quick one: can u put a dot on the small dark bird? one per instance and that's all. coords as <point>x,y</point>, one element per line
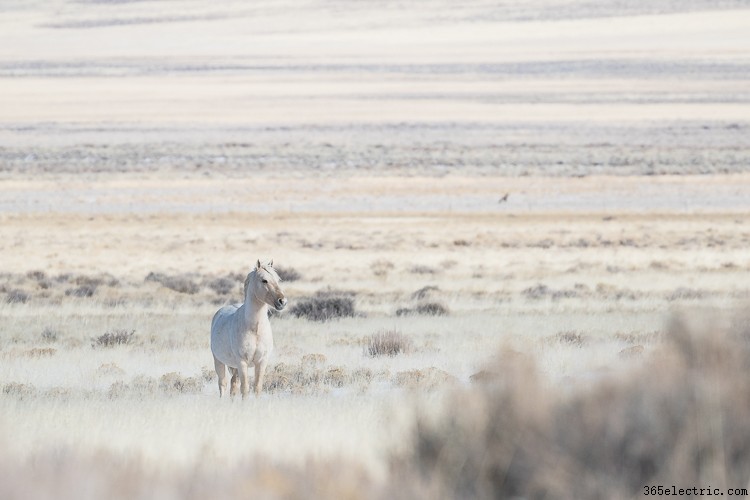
<point>504,198</point>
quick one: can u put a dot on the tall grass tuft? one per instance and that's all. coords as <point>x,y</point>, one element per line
<point>113,338</point>
<point>388,343</point>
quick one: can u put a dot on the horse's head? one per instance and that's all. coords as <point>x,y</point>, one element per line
<point>263,283</point>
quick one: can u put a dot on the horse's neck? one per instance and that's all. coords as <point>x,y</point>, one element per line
<point>253,311</point>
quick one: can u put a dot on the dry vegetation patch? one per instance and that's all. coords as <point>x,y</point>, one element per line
<point>40,352</point>
<point>50,335</point>
<point>324,306</point>
<point>173,382</point>
<point>182,283</point>
<point>113,338</point>
<point>570,338</point>
<point>388,343</point>
<point>288,274</point>
<point>426,379</point>
<point>424,309</point>
<point>313,376</point>
<point>514,436</point>
<point>17,297</point>
<point>109,370</point>
<point>381,268</point>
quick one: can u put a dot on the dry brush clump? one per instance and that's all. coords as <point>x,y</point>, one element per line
<point>40,352</point>
<point>50,335</point>
<point>288,274</point>
<point>325,305</point>
<point>426,379</point>
<point>169,384</point>
<point>388,343</point>
<point>182,283</point>
<point>571,338</point>
<point>382,267</point>
<point>682,418</point>
<point>113,338</point>
<point>174,383</point>
<point>313,376</point>
<point>424,309</point>
<point>223,286</point>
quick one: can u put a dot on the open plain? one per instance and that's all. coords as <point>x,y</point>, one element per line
<point>530,220</point>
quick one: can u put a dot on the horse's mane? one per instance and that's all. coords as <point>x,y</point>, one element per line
<point>251,276</point>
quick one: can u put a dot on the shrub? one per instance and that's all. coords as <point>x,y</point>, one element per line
<point>223,286</point>
<point>311,376</point>
<point>109,369</point>
<point>17,297</point>
<point>208,374</point>
<point>388,343</point>
<point>572,338</point>
<point>517,437</point>
<point>313,360</point>
<point>420,269</point>
<point>324,308</point>
<point>425,309</point>
<point>288,273</point>
<point>427,379</point>
<point>81,291</point>
<point>40,352</point>
<point>424,292</point>
<point>381,268</point>
<point>173,382</point>
<point>19,390</point>
<point>113,338</point>
<point>432,309</point>
<point>36,275</point>
<point>536,292</point>
<point>178,283</point>
<point>686,294</point>
<point>49,335</point>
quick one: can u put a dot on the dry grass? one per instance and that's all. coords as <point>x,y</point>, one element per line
<point>313,376</point>
<point>288,274</point>
<point>513,435</point>
<point>184,283</point>
<point>521,193</point>
<point>517,438</point>
<point>113,338</point>
<point>388,343</point>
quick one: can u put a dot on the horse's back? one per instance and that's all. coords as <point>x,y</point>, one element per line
<point>223,314</point>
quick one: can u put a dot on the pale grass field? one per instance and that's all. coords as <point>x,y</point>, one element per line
<point>150,152</point>
<point>612,282</point>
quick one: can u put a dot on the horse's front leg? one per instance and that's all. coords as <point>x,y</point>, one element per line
<point>234,384</point>
<point>260,373</point>
<point>221,372</point>
<point>244,381</point>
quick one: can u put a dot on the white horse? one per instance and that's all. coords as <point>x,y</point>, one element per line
<point>241,333</point>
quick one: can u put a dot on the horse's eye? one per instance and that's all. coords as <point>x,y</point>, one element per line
<point>265,281</point>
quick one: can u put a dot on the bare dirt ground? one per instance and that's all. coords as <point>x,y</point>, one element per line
<point>150,152</point>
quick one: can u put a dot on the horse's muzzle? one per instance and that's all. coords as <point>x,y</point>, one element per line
<point>280,303</point>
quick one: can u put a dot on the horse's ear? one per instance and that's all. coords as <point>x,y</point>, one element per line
<point>270,263</point>
<point>257,266</point>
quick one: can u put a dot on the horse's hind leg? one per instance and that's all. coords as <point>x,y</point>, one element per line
<point>221,371</point>
<point>235,383</point>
